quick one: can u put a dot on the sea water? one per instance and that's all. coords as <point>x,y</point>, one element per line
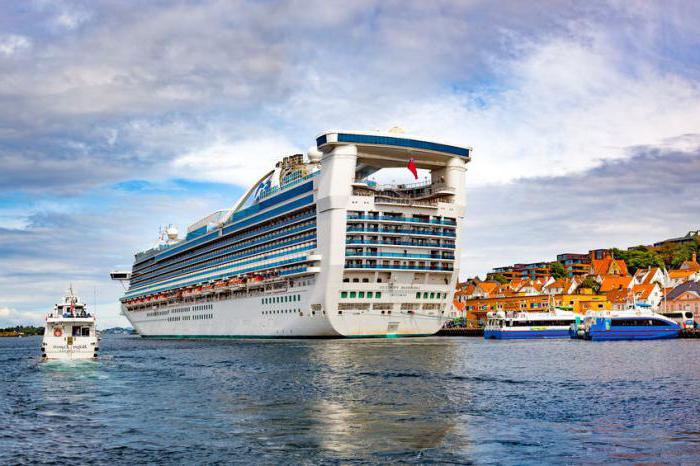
<point>422,400</point>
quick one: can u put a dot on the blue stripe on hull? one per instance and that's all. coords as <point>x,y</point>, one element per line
<point>525,335</point>
<point>632,334</point>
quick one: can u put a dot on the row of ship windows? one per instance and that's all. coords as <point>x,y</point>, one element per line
<point>204,271</point>
<point>360,294</point>
<point>231,258</point>
<point>203,307</point>
<point>194,317</point>
<point>235,241</point>
<point>281,299</point>
<point>281,311</point>
<point>168,266</point>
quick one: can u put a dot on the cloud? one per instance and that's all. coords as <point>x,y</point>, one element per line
<point>12,317</point>
<point>647,196</point>
<point>11,44</point>
<point>239,162</point>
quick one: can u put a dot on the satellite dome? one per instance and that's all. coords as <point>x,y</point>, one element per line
<point>171,231</point>
<point>314,154</point>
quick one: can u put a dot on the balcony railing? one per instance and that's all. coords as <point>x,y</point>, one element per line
<point>400,243</point>
<point>399,255</point>
<point>400,232</point>
<point>402,219</point>
<point>399,267</point>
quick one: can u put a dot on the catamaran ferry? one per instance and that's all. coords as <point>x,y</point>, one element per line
<point>528,325</point>
<point>317,247</point>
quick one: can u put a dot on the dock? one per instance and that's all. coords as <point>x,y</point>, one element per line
<point>460,332</point>
<point>690,333</point>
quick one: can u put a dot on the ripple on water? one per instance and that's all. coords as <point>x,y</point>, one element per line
<point>442,400</point>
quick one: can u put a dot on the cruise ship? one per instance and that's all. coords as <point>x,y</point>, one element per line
<point>318,247</point>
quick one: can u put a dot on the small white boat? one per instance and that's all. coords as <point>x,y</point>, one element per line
<point>70,331</point>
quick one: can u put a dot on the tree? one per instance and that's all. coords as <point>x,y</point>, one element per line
<point>589,282</point>
<point>498,278</point>
<point>557,270</point>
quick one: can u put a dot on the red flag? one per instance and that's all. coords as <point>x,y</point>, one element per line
<point>412,167</point>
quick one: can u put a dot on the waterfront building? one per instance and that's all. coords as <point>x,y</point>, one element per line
<point>579,303</point>
<point>615,282</point>
<point>316,247</point>
<point>678,277</point>
<point>608,266</point>
<point>690,238</point>
<point>576,265</point>
<point>652,275</point>
<point>684,297</point>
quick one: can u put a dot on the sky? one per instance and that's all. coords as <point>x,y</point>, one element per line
<point>118,117</point>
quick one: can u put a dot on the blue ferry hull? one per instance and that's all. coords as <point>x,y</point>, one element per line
<point>525,334</point>
<point>632,333</point>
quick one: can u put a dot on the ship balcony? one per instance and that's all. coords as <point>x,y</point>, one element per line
<point>398,219</point>
<point>446,268</point>
<point>398,231</point>
<point>425,191</point>
<point>413,244</point>
<point>429,257</point>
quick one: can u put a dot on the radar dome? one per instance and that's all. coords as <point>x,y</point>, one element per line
<point>314,155</point>
<point>171,231</point>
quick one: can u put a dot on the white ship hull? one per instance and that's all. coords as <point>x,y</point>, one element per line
<point>248,318</point>
<point>69,348</point>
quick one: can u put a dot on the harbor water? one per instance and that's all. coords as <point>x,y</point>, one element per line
<point>423,400</point>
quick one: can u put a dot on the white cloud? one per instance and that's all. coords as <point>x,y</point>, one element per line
<point>10,317</point>
<point>236,162</point>
<point>11,44</point>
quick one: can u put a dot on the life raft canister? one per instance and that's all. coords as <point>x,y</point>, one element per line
<point>57,332</point>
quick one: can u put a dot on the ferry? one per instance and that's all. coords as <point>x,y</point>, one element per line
<point>70,331</point>
<point>634,323</point>
<point>319,246</point>
<point>528,325</point>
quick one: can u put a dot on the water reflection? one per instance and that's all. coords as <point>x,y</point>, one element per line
<point>384,395</point>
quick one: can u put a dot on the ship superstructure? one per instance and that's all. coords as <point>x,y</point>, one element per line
<point>70,331</point>
<point>315,248</point>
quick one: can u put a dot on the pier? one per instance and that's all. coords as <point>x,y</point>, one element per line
<point>690,333</point>
<point>460,332</point>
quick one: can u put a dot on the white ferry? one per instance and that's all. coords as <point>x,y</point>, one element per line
<point>529,325</point>
<point>70,331</point>
<point>317,247</point>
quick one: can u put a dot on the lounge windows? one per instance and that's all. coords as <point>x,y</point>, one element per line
<point>353,294</point>
<point>378,294</point>
<point>343,294</point>
<point>361,294</point>
<point>369,294</point>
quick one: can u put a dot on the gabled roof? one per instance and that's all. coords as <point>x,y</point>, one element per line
<point>608,265</point>
<point>488,287</point>
<point>691,264</point>
<point>618,296</point>
<point>682,288</point>
<point>644,291</point>
<point>614,282</point>
<point>680,273</point>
